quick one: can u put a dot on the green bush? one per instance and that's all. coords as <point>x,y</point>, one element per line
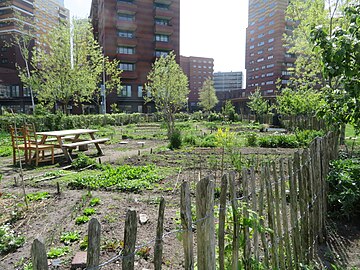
<point>175,140</point>
<point>273,141</point>
<point>344,187</point>
<point>83,161</point>
<point>251,139</point>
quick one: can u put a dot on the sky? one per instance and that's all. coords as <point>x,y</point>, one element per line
<point>207,29</point>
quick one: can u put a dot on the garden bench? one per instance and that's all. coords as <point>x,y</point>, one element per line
<point>85,142</point>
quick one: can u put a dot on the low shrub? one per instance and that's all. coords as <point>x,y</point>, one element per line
<point>175,140</point>
<point>83,161</point>
<point>344,187</point>
<point>251,139</point>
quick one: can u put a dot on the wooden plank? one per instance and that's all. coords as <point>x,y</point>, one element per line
<point>292,168</point>
<point>236,230</point>
<point>284,214</point>
<point>247,244</point>
<point>222,215</point>
<point>277,202</point>
<point>38,255</point>
<point>186,222</point>
<point>255,210</point>
<point>129,240</point>
<point>205,225</point>
<point>305,202</point>
<point>261,214</point>
<point>271,219</point>
<point>75,144</point>
<point>158,249</point>
<point>93,251</point>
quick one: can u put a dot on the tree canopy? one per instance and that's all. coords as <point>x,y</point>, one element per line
<point>258,104</point>
<point>340,59</point>
<point>207,95</point>
<point>68,66</point>
<point>168,88</point>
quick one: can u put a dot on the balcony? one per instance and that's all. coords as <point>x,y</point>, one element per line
<point>126,6</point>
<point>163,29</point>
<point>163,13</point>
<point>126,25</point>
<point>159,45</point>
<point>165,2</point>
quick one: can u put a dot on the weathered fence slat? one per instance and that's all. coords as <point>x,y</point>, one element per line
<point>93,251</point>
<point>247,244</point>
<point>305,203</point>
<point>261,213</point>
<point>236,231</point>
<point>186,222</point>
<point>158,249</point>
<point>205,225</point>
<point>129,240</point>
<point>284,214</point>
<point>38,255</point>
<point>255,209</point>
<point>222,215</point>
<point>278,218</point>
<point>271,219</point>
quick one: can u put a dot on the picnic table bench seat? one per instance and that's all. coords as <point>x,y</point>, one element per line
<point>86,142</point>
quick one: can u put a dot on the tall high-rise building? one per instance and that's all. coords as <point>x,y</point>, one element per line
<point>267,59</point>
<point>39,15</point>
<point>228,81</point>
<point>197,69</point>
<point>135,32</point>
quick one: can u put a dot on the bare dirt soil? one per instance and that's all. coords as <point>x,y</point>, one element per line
<point>48,219</point>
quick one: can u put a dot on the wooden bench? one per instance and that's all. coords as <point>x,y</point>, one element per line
<point>66,138</point>
<point>79,143</point>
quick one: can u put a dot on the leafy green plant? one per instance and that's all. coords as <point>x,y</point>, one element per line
<point>69,237</point>
<point>251,139</point>
<point>83,161</point>
<point>125,178</point>
<point>84,243</point>
<point>344,187</point>
<point>57,252</point>
<point>112,245</point>
<point>38,196</point>
<point>175,139</point>
<point>9,241</point>
<point>94,201</point>
<point>144,252</point>
<point>81,220</point>
<point>89,211</point>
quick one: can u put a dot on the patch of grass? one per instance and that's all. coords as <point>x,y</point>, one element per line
<point>57,252</point>
<point>69,237</point>
<point>38,196</point>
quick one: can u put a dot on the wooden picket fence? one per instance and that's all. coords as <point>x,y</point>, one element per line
<point>287,197</point>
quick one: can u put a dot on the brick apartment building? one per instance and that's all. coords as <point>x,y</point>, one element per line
<point>135,32</point>
<point>42,15</point>
<point>266,57</point>
<point>197,69</point>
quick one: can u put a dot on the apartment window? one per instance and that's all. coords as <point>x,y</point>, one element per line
<point>271,40</point>
<point>252,39</point>
<point>271,22</point>
<point>159,21</point>
<point>270,48</point>
<point>140,90</point>
<point>289,64</point>
<point>161,6</point>
<point>262,83</point>
<point>260,60</point>
<point>251,47</point>
<point>270,66</point>
<point>261,27</point>
<point>271,14</point>
<point>126,34</point>
<point>4,61</point>
<point>126,91</point>
<point>261,19</point>
<point>126,50</point>
<point>159,53</point>
<point>26,92</point>
<point>262,75</point>
<point>286,73</point>
<point>3,49</point>
<point>272,31</point>
<point>126,17</point>
<point>252,54</point>
<point>260,52</point>
<point>162,38</point>
<point>289,55</point>
<point>285,81</point>
<point>127,66</point>
<point>269,82</point>
<point>261,43</point>
<point>270,57</point>
<point>261,35</point>
<point>269,74</point>
<point>252,31</point>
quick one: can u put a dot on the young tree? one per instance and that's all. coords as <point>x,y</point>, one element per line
<point>228,110</point>
<point>69,66</point>
<point>207,95</point>
<point>258,104</point>
<point>168,88</point>
<point>340,58</point>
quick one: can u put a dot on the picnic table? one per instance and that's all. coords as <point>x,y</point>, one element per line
<point>74,136</point>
